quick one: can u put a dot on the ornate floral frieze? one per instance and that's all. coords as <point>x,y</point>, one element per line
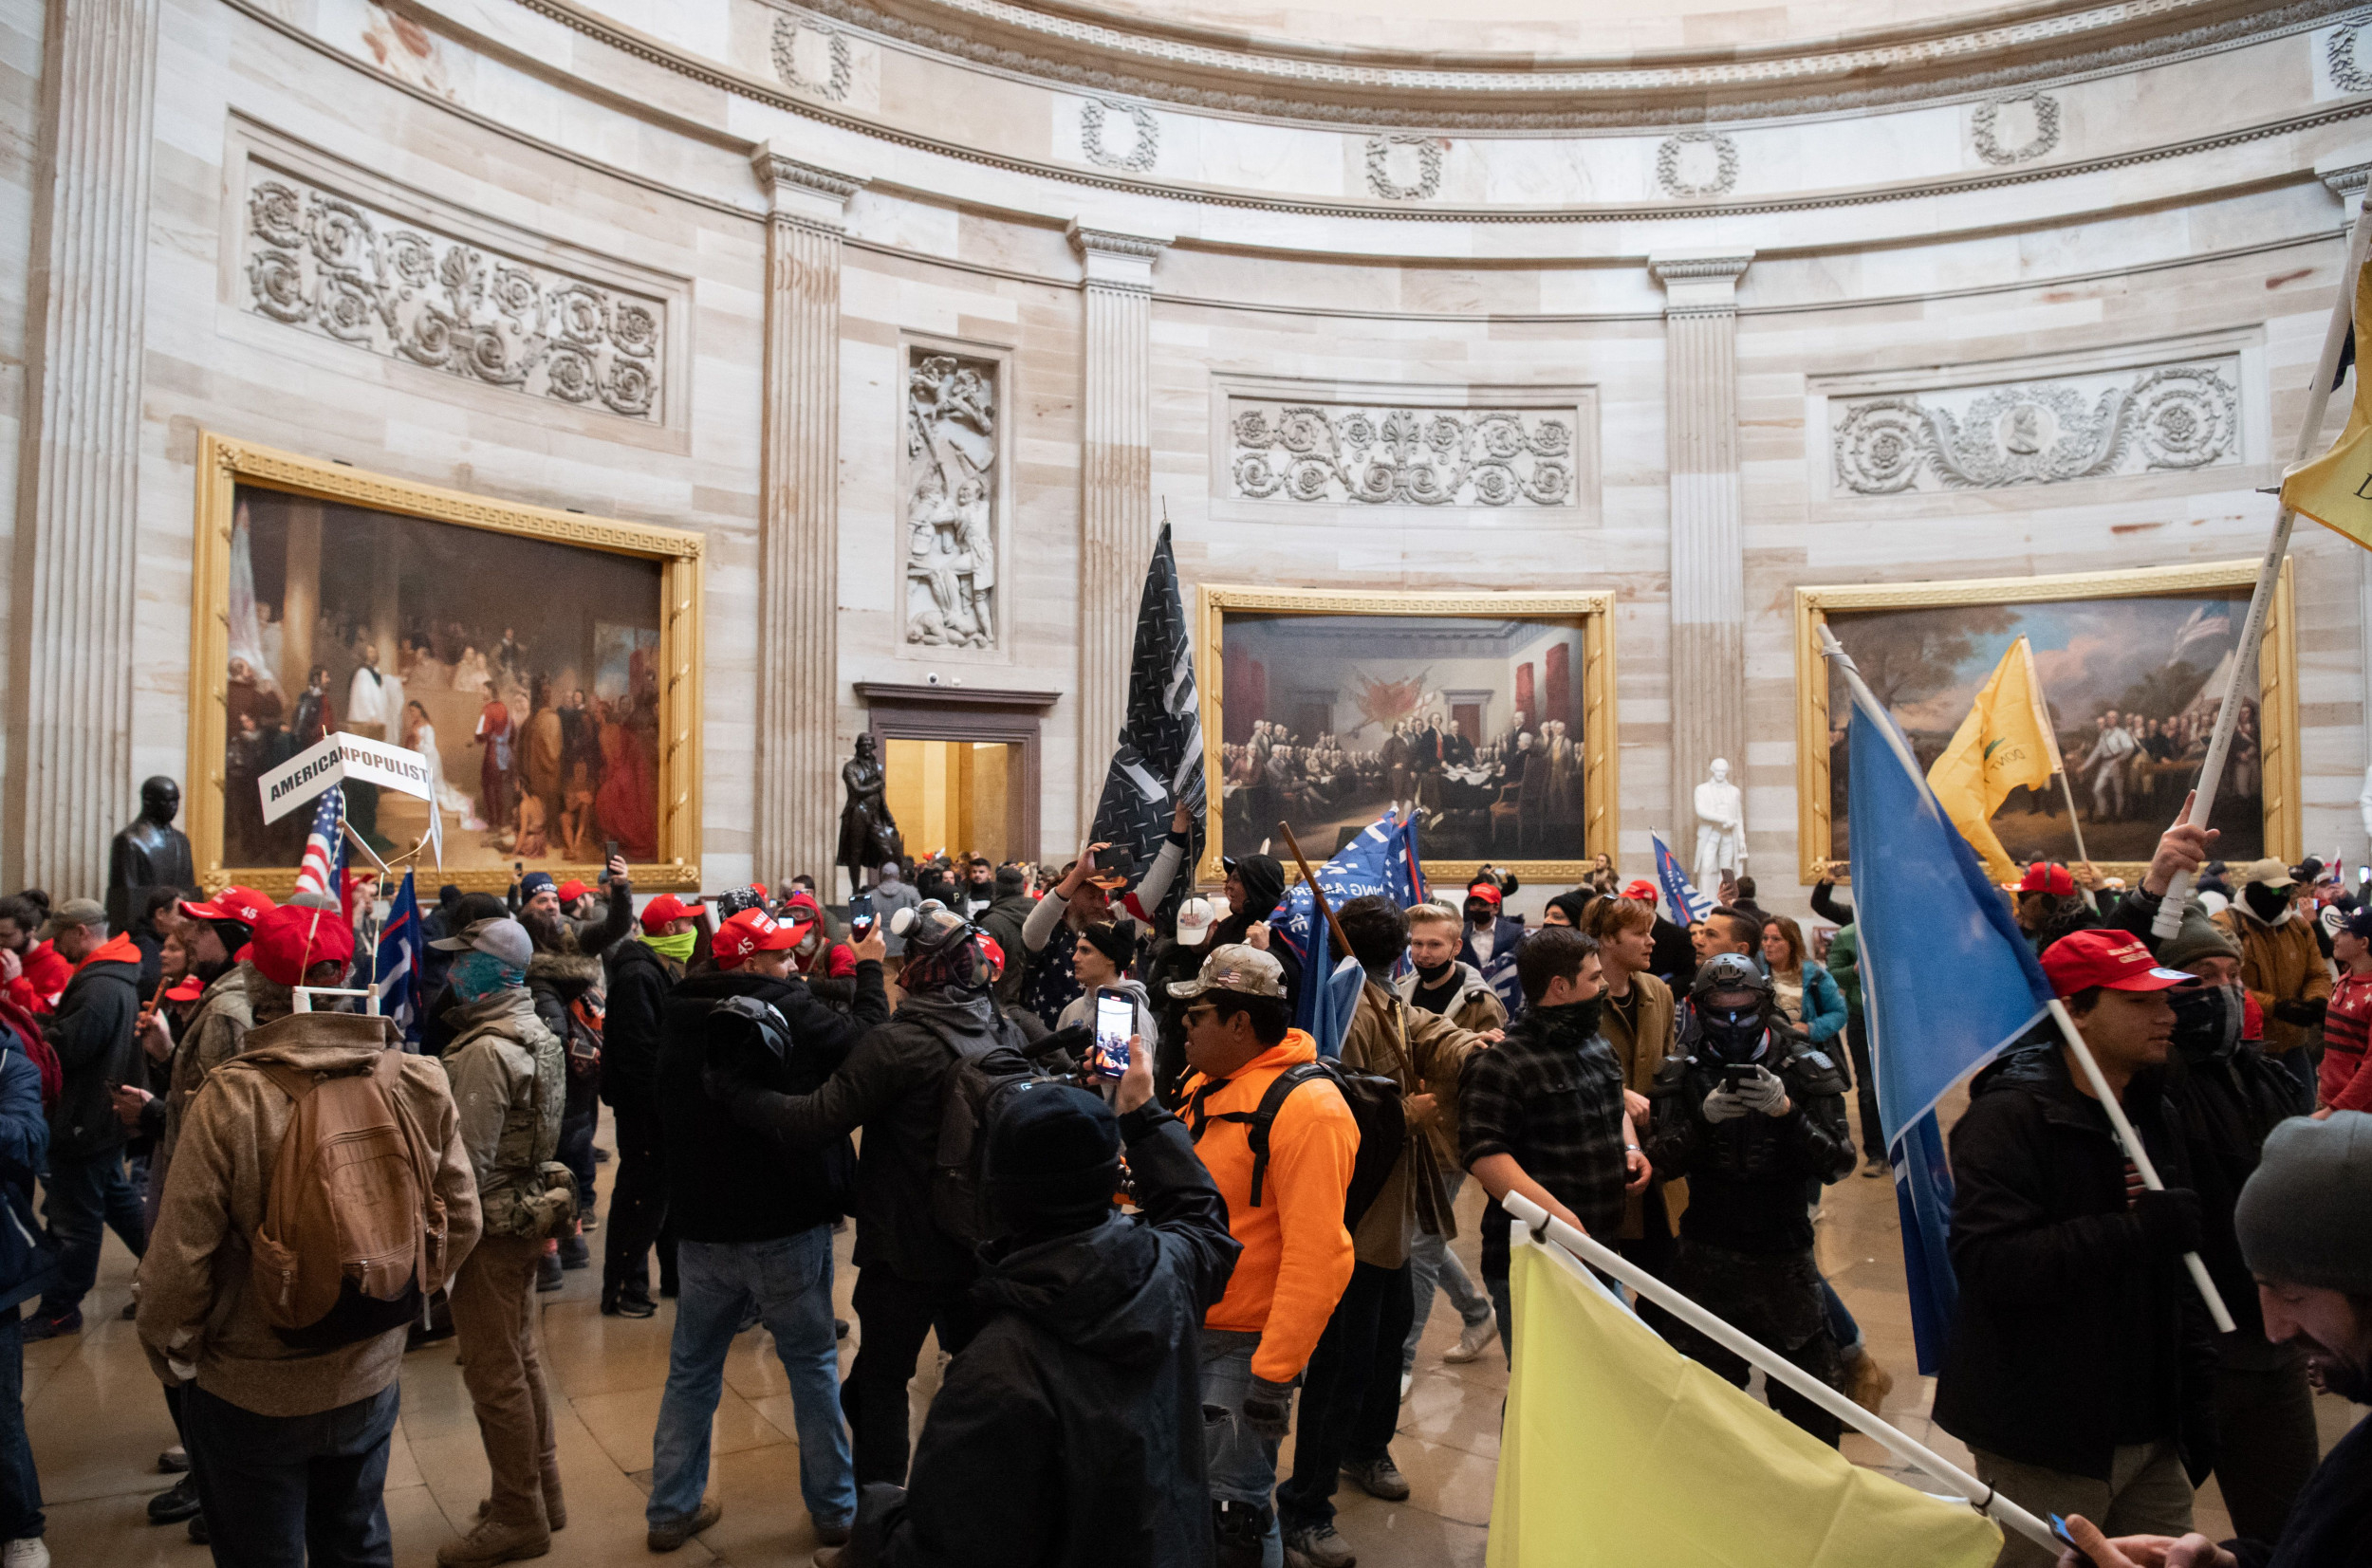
<point>1673,155</point>
<point>1147,130</point>
<point>2171,418</point>
<point>950,500</point>
<point>840,67</point>
<point>2339,55</point>
<point>1985,128</point>
<point>1428,181</point>
<point>1335,453</point>
<point>325,263</point>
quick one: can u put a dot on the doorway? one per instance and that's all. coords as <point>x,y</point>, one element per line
<point>959,796</point>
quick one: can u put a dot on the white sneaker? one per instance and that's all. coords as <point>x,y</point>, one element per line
<point>1408,1381</point>
<point>30,1552</point>
<point>1474,1341</point>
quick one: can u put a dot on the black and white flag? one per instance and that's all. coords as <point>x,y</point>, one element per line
<point>1159,759</point>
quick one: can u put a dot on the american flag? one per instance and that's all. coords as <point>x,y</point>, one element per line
<point>322,872</point>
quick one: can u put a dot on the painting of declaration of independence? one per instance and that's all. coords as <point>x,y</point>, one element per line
<point>525,671</point>
<point>1475,723</point>
<point>2132,685</point>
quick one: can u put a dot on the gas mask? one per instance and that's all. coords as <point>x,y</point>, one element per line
<point>2207,1019</point>
<point>2265,903</point>
<point>1730,1027</point>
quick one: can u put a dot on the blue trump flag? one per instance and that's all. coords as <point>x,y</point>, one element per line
<point>1688,905</point>
<point>396,976</point>
<point>1947,981</point>
<point>1382,860</point>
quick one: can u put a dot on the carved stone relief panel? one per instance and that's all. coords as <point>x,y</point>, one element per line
<point>2168,418</point>
<point>814,57</point>
<point>328,263</point>
<point>1338,454</point>
<point>1693,164</point>
<point>1136,154</point>
<point>1403,167</point>
<point>952,500</point>
<point>2017,128</point>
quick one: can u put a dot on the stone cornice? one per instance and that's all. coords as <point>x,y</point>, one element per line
<point>803,191</point>
<point>1700,283</point>
<point>1116,260</point>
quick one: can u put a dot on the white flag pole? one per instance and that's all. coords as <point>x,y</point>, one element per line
<point>1780,1370</point>
<point>2268,576</point>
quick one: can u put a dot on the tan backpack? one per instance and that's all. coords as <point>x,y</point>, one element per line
<point>353,1238</point>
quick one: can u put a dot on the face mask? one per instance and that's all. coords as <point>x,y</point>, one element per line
<point>2207,1019</point>
<point>1733,1034</point>
<point>1479,914</point>
<point>476,975</point>
<point>678,947</point>
<point>1437,973</point>
<point>1580,1017</point>
<point>2265,903</point>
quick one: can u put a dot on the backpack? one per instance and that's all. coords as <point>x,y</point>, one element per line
<point>981,1075</point>
<point>353,1238</point>
<point>1375,1105</point>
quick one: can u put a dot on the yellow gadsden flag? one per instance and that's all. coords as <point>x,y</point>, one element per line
<point>1619,1452</point>
<point>2004,742</point>
<point>2336,488</point>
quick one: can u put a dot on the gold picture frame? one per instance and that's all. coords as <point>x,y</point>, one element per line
<point>1601,751</point>
<point>224,464</point>
<point>2277,686</point>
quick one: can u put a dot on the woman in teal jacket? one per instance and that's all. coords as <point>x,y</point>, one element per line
<point>1805,988</point>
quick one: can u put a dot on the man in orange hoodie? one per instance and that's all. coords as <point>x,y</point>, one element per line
<point>1287,1214</point>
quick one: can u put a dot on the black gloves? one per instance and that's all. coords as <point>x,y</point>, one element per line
<point>2170,1220</point>
<point>1268,1409</point>
<point>2305,1014</point>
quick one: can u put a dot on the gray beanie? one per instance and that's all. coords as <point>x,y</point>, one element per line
<point>2300,1218</point>
<point>2199,937</point>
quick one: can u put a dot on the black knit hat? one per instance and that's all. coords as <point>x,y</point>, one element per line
<point>1053,1159</point>
<point>1116,940</point>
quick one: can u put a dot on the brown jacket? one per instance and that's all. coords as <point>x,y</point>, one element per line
<point>196,1308</point>
<point>237,1002</point>
<point>2281,963</point>
<point>1423,1055</point>
<point>1641,1054</point>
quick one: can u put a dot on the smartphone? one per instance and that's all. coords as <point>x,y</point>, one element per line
<point>609,853</point>
<point>1115,866</point>
<point>861,915</point>
<point>1735,1075</point>
<point>1116,1020</point>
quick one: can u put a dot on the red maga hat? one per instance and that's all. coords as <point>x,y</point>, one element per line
<point>244,905</point>
<point>752,931</point>
<point>570,890</point>
<point>1486,892</point>
<point>662,911</point>
<point>2105,958</point>
<point>2047,876</point>
<point>1642,891</point>
<point>293,938</point>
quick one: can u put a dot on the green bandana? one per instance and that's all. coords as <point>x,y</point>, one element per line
<point>678,947</point>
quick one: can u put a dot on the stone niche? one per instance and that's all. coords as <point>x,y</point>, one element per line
<point>951,499</point>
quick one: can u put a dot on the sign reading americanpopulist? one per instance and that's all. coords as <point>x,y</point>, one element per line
<point>336,758</point>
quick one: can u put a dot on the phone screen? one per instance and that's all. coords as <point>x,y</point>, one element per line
<point>1116,1020</point>
<point>861,914</point>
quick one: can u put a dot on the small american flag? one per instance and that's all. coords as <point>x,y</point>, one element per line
<point>321,873</point>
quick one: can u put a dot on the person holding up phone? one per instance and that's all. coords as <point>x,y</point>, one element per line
<point>1090,894</point>
<point>1102,959</point>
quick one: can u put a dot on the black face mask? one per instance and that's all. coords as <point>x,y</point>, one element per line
<point>2207,1019</point>
<point>2265,903</point>
<point>1579,1017</point>
<point>1480,912</point>
<point>1431,977</point>
<point>1733,1034</point>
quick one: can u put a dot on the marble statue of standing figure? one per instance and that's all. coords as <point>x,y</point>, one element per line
<point>868,835</point>
<point>149,854</point>
<point>976,546</point>
<point>1720,826</point>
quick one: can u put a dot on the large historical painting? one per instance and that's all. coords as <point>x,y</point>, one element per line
<point>527,667</point>
<point>951,499</point>
<point>1491,726</point>
<point>2133,680</point>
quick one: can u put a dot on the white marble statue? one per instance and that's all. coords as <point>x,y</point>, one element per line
<point>1720,828</point>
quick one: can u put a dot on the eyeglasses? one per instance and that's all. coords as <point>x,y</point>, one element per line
<point>1199,1011</point>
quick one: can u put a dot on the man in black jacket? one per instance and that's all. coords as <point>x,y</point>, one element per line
<point>87,1189</point>
<point>1752,1115</point>
<point>913,1276</point>
<point>1070,1433</point>
<point>642,973</point>
<point>753,1218</point>
<point>1007,911</point>
<point>2081,1369</point>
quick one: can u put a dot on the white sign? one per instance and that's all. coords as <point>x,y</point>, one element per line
<point>340,757</point>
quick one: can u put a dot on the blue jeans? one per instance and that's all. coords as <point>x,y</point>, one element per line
<point>20,1483</point>
<point>1242,1462</point>
<point>1430,1263</point>
<point>293,1491</point>
<point>82,1200</point>
<point>789,1280</point>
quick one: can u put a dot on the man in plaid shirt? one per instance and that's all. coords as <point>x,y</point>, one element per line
<point>1542,1111</point>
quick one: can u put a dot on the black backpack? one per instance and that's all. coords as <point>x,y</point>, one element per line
<point>1375,1102</point>
<point>980,1075</point>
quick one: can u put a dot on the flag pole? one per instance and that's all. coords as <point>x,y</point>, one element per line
<point>1778,1368</point>
<point>2143,1165</point>
<point>2244,658</point>
<point>1316,892</point>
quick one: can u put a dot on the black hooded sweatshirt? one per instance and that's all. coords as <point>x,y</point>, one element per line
<point>1264,886</point>
<point>1069,1432</point>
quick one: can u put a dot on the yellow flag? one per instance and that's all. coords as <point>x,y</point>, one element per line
<point>2004,742</point>
<point>1618,1452</point>
<point>2336,488</point>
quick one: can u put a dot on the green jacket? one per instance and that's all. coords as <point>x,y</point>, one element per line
<point>509,1083</point>
<point>1845,967</point>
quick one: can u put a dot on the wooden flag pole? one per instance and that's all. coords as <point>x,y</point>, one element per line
<point>1341,943</point>
<point>2244,656</point>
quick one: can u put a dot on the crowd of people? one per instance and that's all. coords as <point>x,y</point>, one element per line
<point>1158,1265</point>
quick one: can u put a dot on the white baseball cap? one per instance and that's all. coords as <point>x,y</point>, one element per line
<point>1196,918</point>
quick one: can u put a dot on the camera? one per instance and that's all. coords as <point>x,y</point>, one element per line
<point>931,678</point>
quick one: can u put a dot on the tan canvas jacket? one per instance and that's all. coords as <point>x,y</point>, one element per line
<point>1641,1056</point>
<point>1423,1053</point>
<point>509,1083</point>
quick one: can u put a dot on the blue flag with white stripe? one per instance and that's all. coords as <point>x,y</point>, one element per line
<point>398,973</point>
<point>1688,905</point>
<point>1947,981</point>
<point>1382,860</point>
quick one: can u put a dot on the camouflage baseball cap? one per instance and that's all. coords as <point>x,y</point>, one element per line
<point>1245,971</point>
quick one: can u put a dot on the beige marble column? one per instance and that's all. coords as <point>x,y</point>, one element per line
<point>1708,544</point>
<point>796,822</point>
<point>1115,510</point>
<point>70,732</point>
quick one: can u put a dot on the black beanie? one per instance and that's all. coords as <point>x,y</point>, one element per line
<point>1010,880</point>
<point>1116,940</point>
<point>1263,884</point>
<point>1053,1161</point>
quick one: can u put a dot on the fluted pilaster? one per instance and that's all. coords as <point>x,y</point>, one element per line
<point>70,760</point>
<point>1708,535</point>
<point>1115,487</point>
<point>798,795</point>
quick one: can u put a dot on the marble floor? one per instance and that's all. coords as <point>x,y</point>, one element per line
<point>97,1422</point>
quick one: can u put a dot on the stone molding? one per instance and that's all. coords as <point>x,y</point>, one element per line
<point>803,191</point>
<point>834,87</point>
<point>1700,282</point>
<point>1984,124</point>
<point>951,499</point>
<point>1390,454</point>
<point>1138,158</point>
<point>331,263</point>
<point>2170,417</point>
<point>1111,259</point>
<point>1380,181</point>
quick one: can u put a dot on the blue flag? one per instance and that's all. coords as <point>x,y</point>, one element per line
<point>1688,905</point>
<point>1947,982</point>
<point>1382,860</point>
<point>397,977</point>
